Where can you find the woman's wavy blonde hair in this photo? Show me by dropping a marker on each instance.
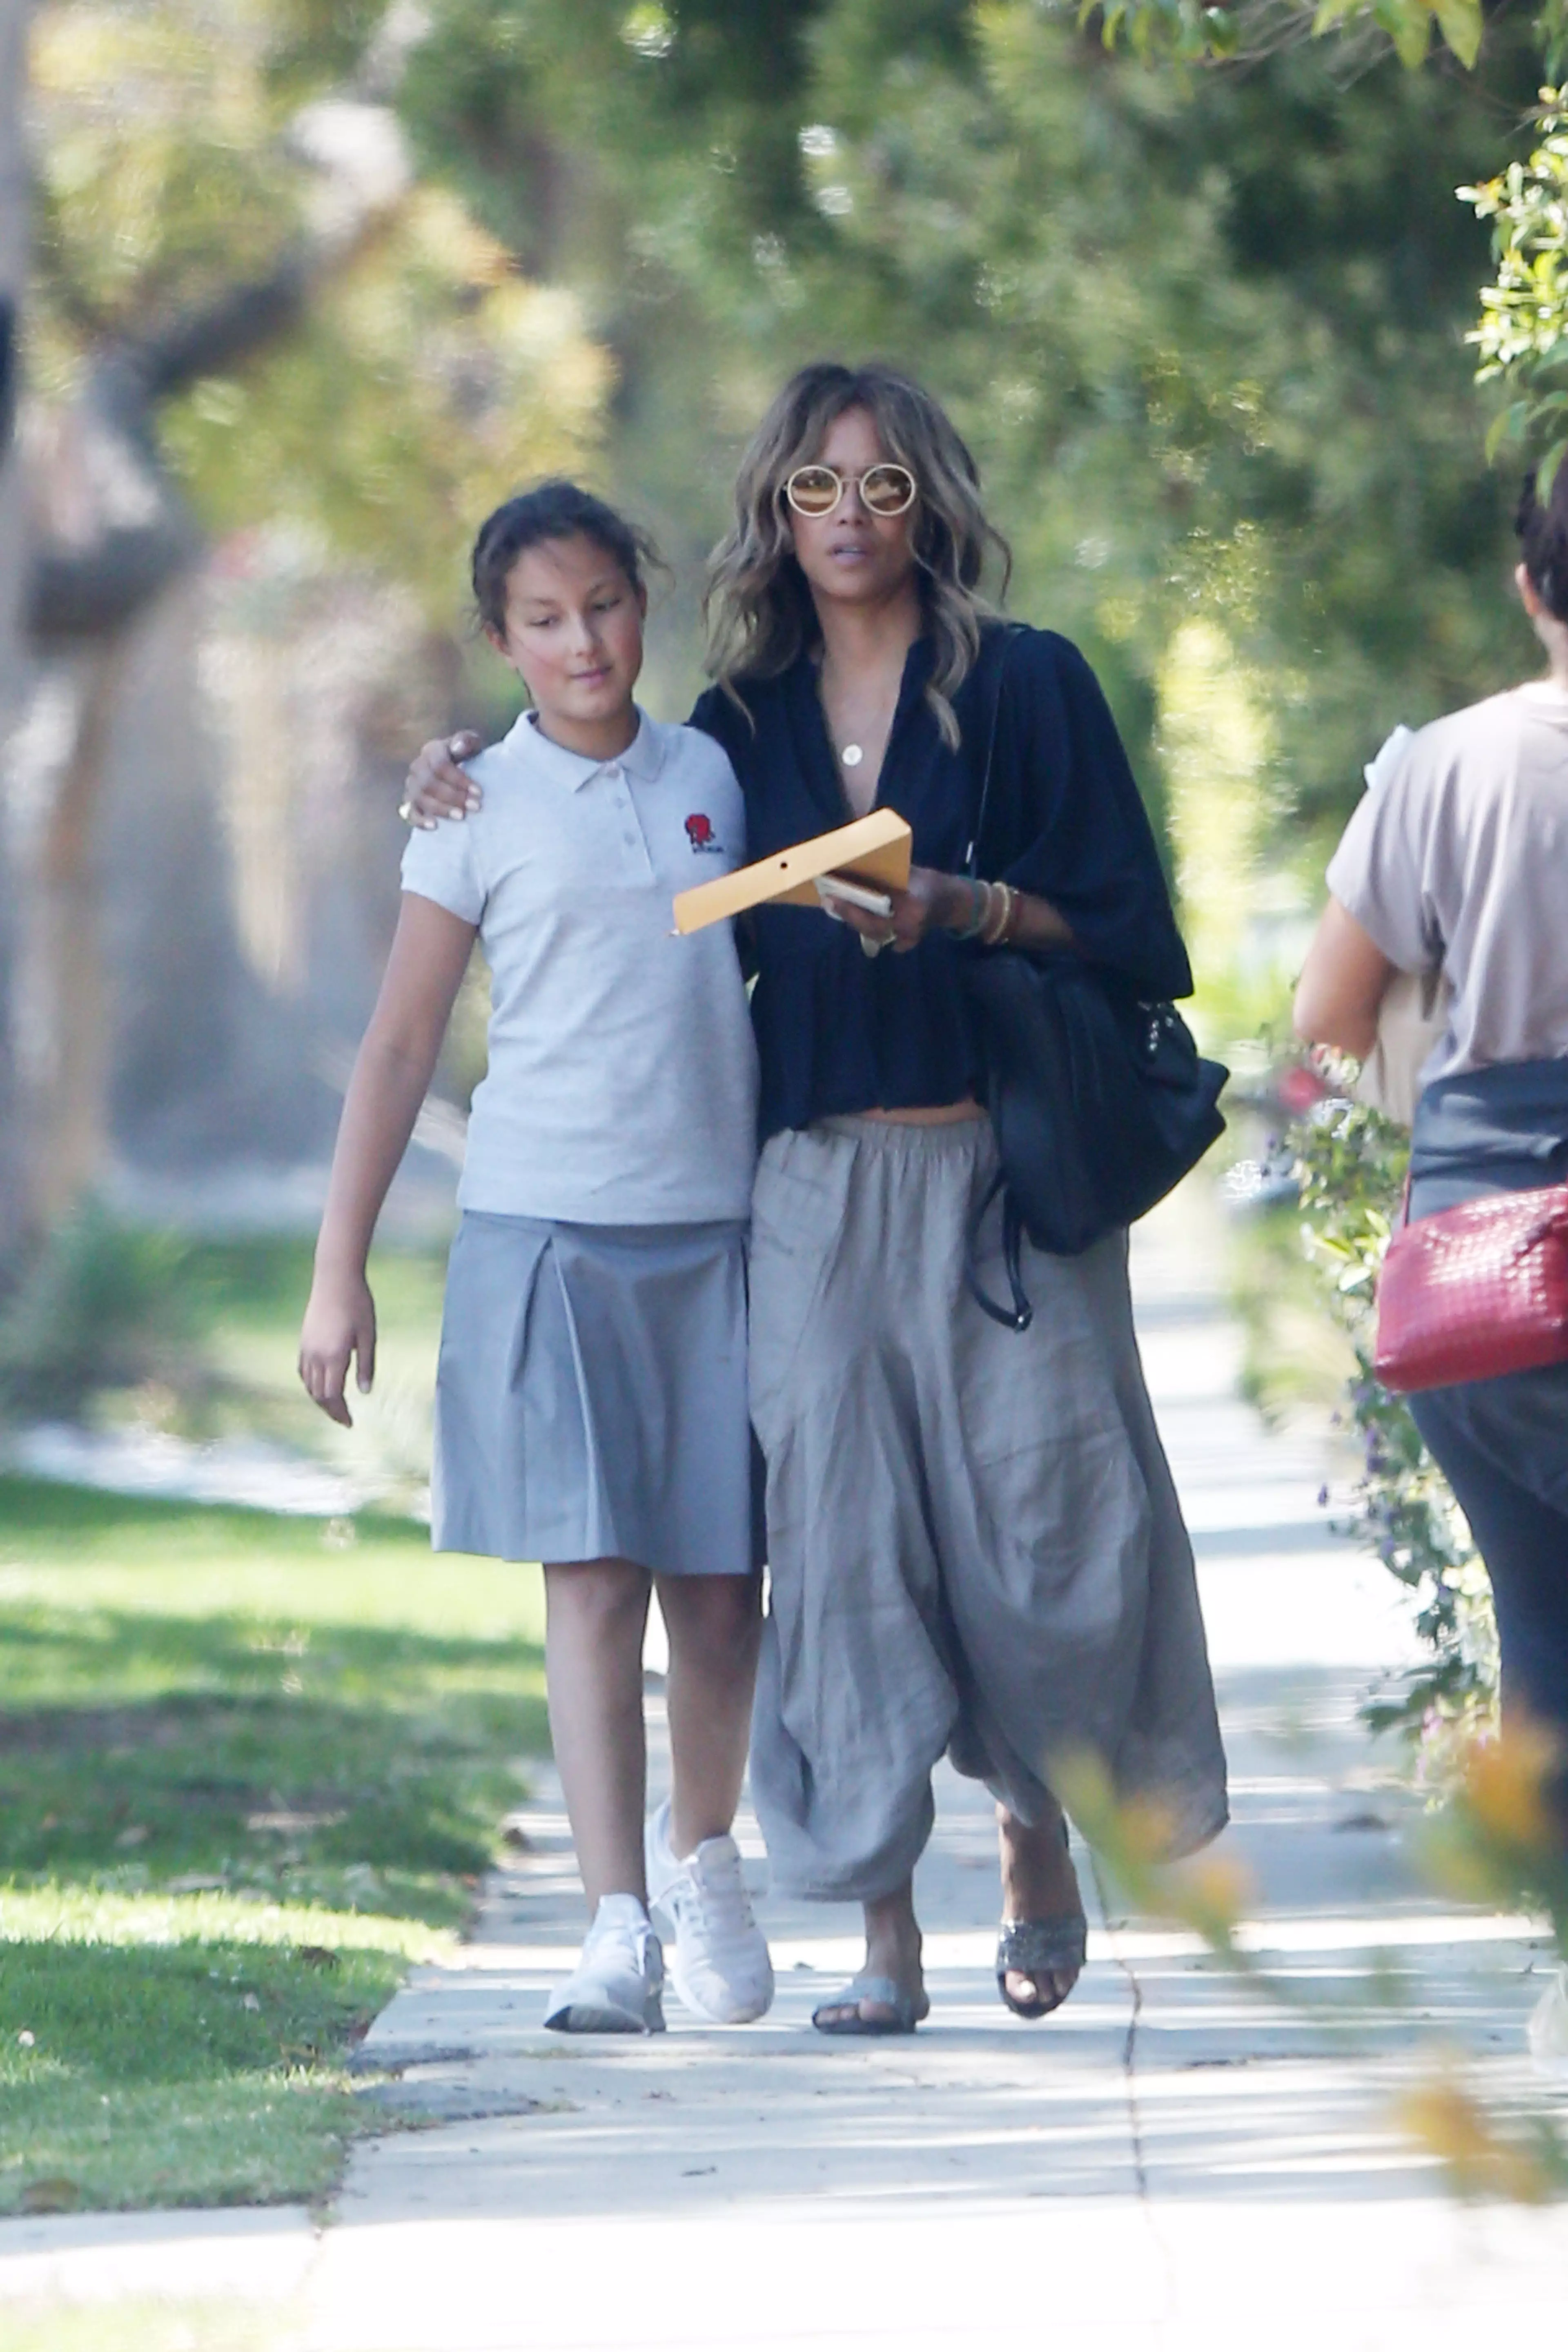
(758, 606)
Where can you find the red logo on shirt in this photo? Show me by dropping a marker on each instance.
(699, 832)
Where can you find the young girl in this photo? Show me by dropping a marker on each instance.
(591, 1396)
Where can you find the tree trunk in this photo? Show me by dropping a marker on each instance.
(97, 565)
(70, 997)
(14, 16)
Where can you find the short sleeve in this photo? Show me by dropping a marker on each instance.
(441, 865)
(1376, 871)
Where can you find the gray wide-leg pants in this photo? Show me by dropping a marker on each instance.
(975, 1544)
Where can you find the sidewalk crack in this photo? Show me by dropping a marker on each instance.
(1129, 2040)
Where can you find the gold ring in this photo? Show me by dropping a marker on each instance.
(406, 810)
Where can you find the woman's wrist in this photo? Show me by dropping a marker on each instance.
(965, 905)
(985, 911)
(1001, 915)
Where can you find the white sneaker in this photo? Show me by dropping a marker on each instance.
(618, 1986)
(1547, 2032)
(718, 1962)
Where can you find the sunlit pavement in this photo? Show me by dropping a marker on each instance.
(1171, 2161)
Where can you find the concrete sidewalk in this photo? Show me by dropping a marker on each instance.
(1168, 2162)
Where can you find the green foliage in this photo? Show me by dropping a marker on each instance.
(1193, 35)
(1206, 343)
(249, 1768)
(1154, 29)
(161, 178)
(434, 382)
(429, 376)
(101, 1306)
(1352, 1164)
(1522, 338)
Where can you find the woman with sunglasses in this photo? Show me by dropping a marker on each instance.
(974, 1545)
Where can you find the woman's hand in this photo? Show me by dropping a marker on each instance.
(340, 1323)
(436, 785)
(933, 902)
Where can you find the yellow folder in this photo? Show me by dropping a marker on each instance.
(875, 849)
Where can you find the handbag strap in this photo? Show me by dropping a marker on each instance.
(1004, 636)
(1020, 1314)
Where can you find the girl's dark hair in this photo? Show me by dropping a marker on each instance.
(1544, 541)
(555, 509)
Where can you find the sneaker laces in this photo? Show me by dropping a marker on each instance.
(638, 1934)
(710, 1894)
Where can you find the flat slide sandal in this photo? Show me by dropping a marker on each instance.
(1040, 1948)
(908, 2008)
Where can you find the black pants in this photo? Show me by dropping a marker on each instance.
(1502, 1445)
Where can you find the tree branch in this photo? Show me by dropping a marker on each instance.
(140, 533)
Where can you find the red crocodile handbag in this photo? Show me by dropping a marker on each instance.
(1475, 1290)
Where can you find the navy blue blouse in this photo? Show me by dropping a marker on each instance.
(838, 1031)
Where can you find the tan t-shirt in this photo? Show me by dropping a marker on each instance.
(1459, 858)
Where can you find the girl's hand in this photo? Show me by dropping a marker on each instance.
(340, 1323)
(436, 785)
(933, 902)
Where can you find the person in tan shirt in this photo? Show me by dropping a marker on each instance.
(1459, 861)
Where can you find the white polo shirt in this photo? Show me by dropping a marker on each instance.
(622, 1080)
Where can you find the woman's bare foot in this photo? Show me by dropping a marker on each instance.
(892, 1949)
(1038, 1882)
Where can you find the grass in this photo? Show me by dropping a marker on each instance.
(120, 1326)
(146, 2324)
(250, 1769)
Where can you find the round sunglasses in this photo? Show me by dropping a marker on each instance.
(884, 489)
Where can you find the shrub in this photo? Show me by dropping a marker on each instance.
(101, 1305)
(1350, 1164)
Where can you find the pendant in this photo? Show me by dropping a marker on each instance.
(852, 755)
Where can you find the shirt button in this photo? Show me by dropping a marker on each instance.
(614, 774)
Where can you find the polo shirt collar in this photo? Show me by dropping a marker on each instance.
(642, 758)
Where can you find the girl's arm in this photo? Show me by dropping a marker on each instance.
(1342, 985)
(391, 1077)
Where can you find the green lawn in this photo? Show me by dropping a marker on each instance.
(250, 1766)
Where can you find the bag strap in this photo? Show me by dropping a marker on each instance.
(1004, 638)
(1020, 1314)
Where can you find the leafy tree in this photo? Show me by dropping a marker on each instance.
(246, 310)
(1523, 337)
(1207, 334)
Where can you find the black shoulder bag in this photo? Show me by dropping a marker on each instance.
(1099, 1098)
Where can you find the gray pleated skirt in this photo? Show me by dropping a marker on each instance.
(591, 1396)
(973, 1542)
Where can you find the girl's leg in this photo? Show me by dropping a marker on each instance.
(715, 1624)
(595, 1614)
(718, 1955)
